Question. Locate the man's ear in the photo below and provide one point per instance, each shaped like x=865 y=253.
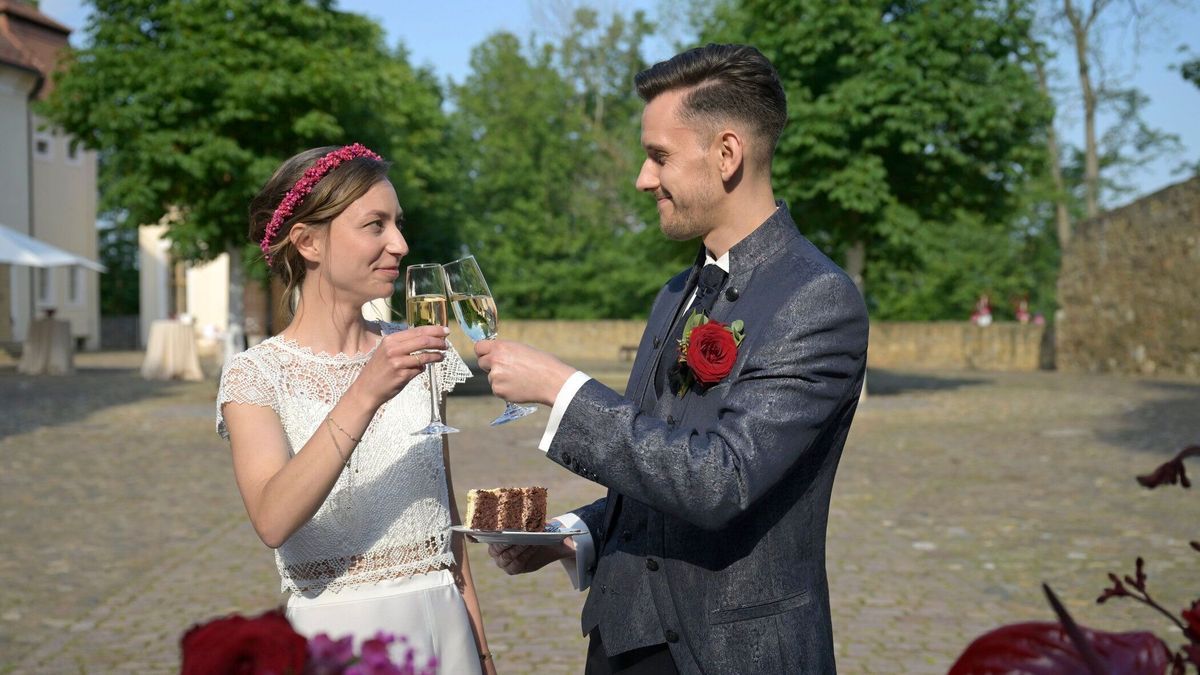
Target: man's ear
x=732 y=151
x=310 y=242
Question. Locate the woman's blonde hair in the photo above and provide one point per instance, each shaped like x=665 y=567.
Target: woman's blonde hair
x=328 y=198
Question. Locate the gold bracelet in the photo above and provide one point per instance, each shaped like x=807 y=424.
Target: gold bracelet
x=329 y=418
x=337 y=447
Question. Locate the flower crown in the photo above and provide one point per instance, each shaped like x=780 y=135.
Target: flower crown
x=305 y=185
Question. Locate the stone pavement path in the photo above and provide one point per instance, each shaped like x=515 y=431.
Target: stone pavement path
x=959 y=493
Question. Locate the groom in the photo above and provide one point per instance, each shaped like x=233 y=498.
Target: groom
x=708 y=554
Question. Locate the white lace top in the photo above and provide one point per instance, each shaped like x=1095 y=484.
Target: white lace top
x=388 y=515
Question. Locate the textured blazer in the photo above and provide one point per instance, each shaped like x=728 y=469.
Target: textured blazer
x=728 y=488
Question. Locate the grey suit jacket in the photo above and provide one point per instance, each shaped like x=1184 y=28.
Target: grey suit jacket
x=722 y=496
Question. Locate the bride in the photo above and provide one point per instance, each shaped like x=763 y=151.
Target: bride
x=320 y=421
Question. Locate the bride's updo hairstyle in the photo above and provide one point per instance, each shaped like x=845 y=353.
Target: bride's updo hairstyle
x=312 y=187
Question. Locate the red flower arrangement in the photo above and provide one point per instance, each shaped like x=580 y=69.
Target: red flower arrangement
x=707 y=351
x=268 y=645
x=1065 y=648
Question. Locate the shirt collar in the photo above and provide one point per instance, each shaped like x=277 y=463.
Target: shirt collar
x=722 y=262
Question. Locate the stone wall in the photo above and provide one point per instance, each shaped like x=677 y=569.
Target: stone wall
x=572 y=341
x=959 y=345
x=1129 y=289
x=952 y=345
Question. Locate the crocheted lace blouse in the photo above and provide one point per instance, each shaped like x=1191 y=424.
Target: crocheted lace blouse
x=388 y=515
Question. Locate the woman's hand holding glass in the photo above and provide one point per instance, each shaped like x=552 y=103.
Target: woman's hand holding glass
x=475 y=310
x=400 y=357
x=425 y=294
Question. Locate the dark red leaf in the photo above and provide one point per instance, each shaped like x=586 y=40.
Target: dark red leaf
x=1171 y=471
x=1193 y=654
x=1191 y=618
x=1043 y=648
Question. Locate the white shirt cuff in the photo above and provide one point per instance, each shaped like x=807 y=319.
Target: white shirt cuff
x=564 y=398
x=585 y=552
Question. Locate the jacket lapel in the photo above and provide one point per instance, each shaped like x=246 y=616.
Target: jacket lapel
x=641 y=376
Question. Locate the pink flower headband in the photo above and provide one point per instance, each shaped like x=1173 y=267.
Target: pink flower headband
x=305 y=185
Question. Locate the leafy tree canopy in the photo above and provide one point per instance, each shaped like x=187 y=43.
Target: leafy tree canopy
x=910 y=123
x=549 y=138
x=194 y=103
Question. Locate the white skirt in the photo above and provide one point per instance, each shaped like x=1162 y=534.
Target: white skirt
x=427 y=609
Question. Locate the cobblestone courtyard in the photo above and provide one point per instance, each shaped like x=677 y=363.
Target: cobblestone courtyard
x=958 y=494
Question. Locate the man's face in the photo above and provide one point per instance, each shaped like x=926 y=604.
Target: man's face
x=682 y=169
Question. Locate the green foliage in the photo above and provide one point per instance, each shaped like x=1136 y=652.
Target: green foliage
x=958 y=261
x=119 y=286
x=1191 y=71
x=914 y=128
x=549 y=140
x=193 y=103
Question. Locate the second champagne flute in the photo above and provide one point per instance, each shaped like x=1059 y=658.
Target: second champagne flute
x=476 y=313
x=425 y=291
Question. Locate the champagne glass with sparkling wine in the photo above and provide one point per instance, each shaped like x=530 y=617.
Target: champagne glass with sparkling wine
x=425 y=290
x=476 y=313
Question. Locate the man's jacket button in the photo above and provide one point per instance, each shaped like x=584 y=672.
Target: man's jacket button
x=671 y=636
x=652 y=564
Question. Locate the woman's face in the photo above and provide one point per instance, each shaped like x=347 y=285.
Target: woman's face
x=365 y=245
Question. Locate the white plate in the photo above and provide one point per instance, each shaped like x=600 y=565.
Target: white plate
x=514 y=537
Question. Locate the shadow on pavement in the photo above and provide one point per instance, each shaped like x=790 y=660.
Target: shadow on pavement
x=30 y=402
x=1162 y=425
x=892 y=383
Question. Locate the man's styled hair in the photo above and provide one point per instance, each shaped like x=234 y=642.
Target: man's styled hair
x=727 y=83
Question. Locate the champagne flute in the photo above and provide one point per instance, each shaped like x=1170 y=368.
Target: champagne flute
x=476 y=313
x=425 y=291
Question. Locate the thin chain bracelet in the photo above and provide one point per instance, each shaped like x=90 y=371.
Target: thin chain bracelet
x=329 y=418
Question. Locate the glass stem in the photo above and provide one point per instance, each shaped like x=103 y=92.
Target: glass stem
x=434 y=413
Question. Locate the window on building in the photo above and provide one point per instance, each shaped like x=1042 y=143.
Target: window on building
x=45 y=286
x=43 y=145
x=75 y=289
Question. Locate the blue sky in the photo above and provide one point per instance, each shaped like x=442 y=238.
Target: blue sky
x=442 y=33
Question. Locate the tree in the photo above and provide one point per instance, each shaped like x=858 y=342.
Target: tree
x=910 y=123
x=549 y=132
x=1190 y=71
x=1103 y=166
x=193 y=103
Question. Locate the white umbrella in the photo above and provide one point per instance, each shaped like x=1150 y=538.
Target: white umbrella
x=21 y=249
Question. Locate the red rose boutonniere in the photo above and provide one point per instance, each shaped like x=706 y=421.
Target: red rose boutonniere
x=707 y=351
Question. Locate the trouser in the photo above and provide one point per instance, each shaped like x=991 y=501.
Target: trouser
x=652 y=660
x=427 y=610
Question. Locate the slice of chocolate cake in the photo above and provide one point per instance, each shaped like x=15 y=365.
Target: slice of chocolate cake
x=522 y=509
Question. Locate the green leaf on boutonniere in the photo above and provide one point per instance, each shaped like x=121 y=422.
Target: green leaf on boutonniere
x=684 y=385
x=738 y=329
x=696 y=319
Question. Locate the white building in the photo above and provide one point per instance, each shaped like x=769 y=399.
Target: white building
x=47 y=188
x=169 y=289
